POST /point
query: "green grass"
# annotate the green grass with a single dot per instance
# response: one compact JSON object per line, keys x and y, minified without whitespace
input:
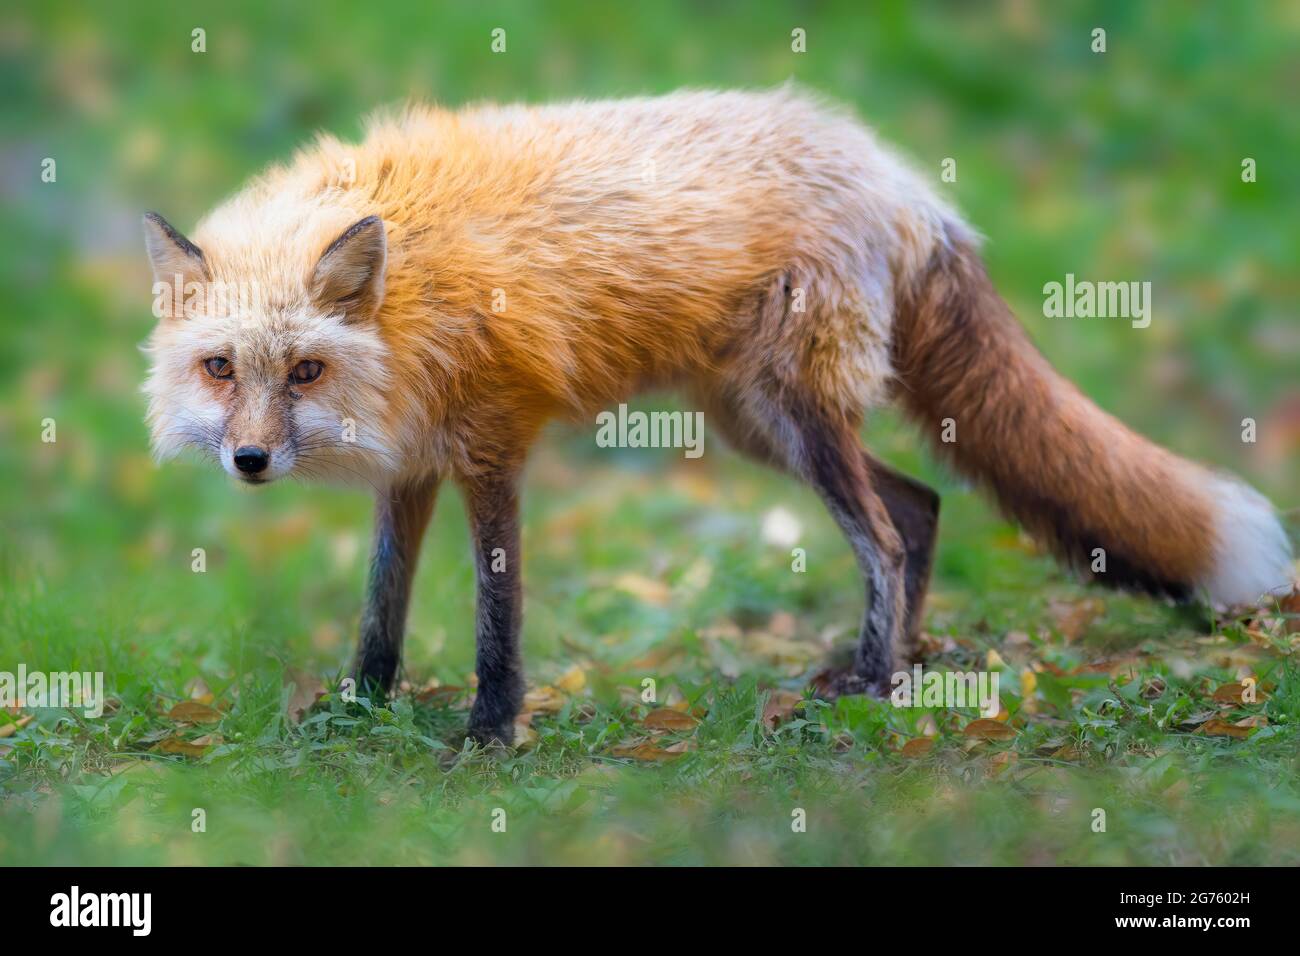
{"x":642,"y":564}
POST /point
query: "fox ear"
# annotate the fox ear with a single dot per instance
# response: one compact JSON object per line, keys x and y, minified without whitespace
{"x":176,"y":262}
{"x":349,"y":277}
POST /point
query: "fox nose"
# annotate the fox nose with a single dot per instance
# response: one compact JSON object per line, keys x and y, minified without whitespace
{"x":250,"y":459}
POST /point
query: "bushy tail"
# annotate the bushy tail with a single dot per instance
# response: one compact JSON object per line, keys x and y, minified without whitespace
{"x":1072,"y":475}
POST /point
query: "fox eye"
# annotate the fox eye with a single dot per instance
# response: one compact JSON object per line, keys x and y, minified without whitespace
{"x":306,"y":371}
{"x":219,"y":367}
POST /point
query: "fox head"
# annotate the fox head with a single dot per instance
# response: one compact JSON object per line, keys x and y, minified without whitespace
{"x":267,"y":355}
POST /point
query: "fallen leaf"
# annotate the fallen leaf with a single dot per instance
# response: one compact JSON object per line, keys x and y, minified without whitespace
{"x":193,"y":712}
{"x":545,"y":700}
{"x":999,"y":762}
{"x":432,"y":692}
{"x":780,"y":707}
{"x":643,"y":588}
{"x":1229,"y":693}
{"x":1221,"y":728}
{"x":665,"y":718}
{"x":178,"y":745}
{"x":917,"y":747}
{"x":307,"y":689}
{"x":1073,"y":617}
{"x":525,"y":736}
{"x":197,"y":689}
{"x":1152,"y":689}
{"x":1028,"y":686}
{"x":644,"y":750}
{"x":8,"y":730}
{"x":1195,"y":720}
{"x":985,"y":729}
{"x":1290,"y":606}
{"x":573,"y":680}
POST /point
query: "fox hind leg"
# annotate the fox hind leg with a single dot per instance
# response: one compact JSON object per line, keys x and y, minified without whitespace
{"x":863,"y":496}
{"x":831,"y":459}
{"x":914,"y":509}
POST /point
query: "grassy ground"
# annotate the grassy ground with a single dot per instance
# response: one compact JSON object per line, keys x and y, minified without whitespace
{"x":642,"y":565}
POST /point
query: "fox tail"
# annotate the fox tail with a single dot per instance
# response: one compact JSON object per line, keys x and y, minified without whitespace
{"x":1115,"y":506}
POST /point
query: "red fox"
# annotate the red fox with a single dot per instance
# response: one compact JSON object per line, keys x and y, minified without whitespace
{"x":415,"y":307}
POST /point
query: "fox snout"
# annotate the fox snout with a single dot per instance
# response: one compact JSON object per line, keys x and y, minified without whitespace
{"x":256,"y":461}
{"x":251,"y":460}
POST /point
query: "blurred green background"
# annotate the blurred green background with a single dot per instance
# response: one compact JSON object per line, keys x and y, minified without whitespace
{"x":1124,"y":165}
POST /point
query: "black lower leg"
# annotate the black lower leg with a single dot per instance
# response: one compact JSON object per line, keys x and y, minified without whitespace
{"x":834,"y":465}
{"x":401,"y":515}
{"x":914,"y":510}
{"x":494,"y":523}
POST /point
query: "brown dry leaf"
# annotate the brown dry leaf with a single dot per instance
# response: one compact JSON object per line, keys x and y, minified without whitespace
{"x":1255,"y":720}
{"x":307,"y":689}
{"x":1290,"y":606}
{"x":658,"y":658}
{"x":681,"y":747}
{"x":1229,"y":693}
{"x":917,"y":747}
{"x":665,"y":718}
{"x":432,"y":692}
{"x":643,"y":750}
{"x":1152,"y":689}
{"x":1000,"y":762}
{"x":1028,"y":690}
{"x":525,"y":736}
{"x":193,"y":712}
{"x":8,"y":730}
{"x":643,"y":589}
{"x":1221,"y":728}
{"x":545,"y":700}
{"x":1067,"y":752}
{"x":1195,"y":720}
{"x":985,"y":729}
{"x":208,"y":740}
{"x":780,"y":707}
{"x":178,"y":745}
{"x":197,"y":690}
{"x":1073,"y":617}
{"x":572,"y":680}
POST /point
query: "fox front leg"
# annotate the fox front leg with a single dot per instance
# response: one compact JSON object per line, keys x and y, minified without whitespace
{"x":493,"y":505}
{"x":401,"y":515}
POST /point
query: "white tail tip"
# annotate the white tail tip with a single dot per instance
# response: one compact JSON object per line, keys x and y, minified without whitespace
{"x":1252,"y":559}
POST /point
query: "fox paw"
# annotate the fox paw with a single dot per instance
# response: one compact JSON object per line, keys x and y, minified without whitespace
{"x":499,"y":736}
{"x":834,"y":683}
